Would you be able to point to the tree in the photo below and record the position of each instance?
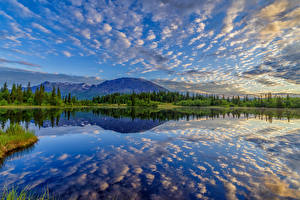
(53, 93)
(69, 98)
(29, 91)
(5, 93)
(288, 101)
(58, 93)
(19, 94)
(4, 87)
(279, 102)
(13, 93)
(133, 99)
(53, 96)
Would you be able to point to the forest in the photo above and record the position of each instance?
(18, 95)
(186, 99)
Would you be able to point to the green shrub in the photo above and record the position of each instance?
(3, 102)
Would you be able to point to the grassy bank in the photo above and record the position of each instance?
(15, 137)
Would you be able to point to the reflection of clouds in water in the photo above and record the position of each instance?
(201, 159)
(279, 138)
(63, 157)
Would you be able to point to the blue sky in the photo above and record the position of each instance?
(209, 46)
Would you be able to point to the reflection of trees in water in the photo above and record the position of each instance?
(39, 116)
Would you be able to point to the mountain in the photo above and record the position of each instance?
(128, 85)
(76, 89)
(120, 125)
(120, 85)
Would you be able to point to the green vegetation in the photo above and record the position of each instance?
(18, 96)
(15, 137)
(156, 98)
(25, 194)
(142, 99)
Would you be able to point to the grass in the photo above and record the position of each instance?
(15, 137)
(25, 194)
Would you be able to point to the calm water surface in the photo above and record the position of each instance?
(158, 154)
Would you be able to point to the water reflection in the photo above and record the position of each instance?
(131, 120)
(188, 154)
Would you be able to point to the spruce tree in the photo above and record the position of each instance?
(58, 93)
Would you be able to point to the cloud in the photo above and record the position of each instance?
(271, 11)
(40, 27)
(86, 33)
(66, 53)
(153, 56)
(266, 82)
(76, 2)
(10, 75)
(194, 72)
(216, 87)
(24, 11)
(123, 40)
(190, 40)
(151, 36)
(19, 62)
(107, 28)
(5, 15)
(232, 13)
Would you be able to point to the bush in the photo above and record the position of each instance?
(3, 102)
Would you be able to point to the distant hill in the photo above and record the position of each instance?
(120, 85)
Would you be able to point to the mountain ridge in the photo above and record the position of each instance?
(123, 85)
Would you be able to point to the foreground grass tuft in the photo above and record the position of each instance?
(25, 194)
(15, 137)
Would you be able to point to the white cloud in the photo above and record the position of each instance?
(78, 15)
(153, 45)
(200, 46)
(151, 36)
(66, 53)
(40, 27)
(5, 15)
(86, 33)
(25, 11)
(107, 28)
(166, 32)
(232, 13)
(140, 42)
(123, 40)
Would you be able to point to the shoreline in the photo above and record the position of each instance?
(13, 147)
(159, 106)
(15, 138)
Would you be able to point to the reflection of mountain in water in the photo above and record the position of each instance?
(132, 120)
(121, 125)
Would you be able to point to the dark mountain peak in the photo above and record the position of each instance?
(129, 85)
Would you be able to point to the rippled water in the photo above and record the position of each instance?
(157, 154)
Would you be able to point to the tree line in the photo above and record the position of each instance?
(186, 99)
(18, 95)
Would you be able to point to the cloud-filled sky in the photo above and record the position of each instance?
(214, 45)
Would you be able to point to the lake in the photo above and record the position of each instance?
(186, 153)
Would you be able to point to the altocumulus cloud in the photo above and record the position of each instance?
(229, 44)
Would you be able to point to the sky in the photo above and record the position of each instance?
(211, 46)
